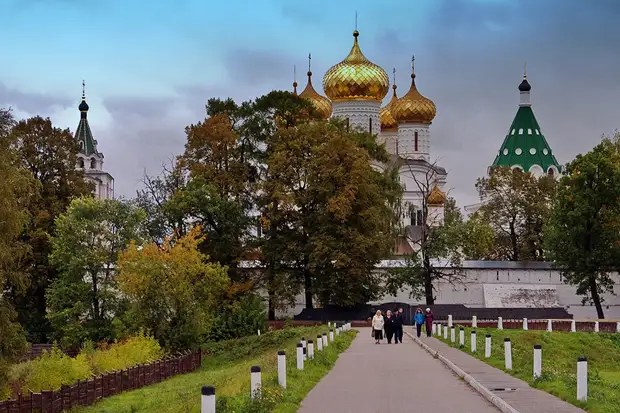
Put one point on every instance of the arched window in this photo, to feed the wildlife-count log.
(81, 163)
(551, 172)
(415, 134)
(370, 125)
(93, 163)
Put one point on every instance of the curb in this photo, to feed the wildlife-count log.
(498, 402)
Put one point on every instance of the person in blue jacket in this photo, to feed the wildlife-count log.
(418, 318)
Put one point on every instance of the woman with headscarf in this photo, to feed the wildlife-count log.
(428, 318)
(377, 326)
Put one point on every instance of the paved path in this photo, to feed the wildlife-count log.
(371, 378)
(523, 398)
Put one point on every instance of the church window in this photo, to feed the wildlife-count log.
(518, 151)
(415, 134)
(551, 172)
(537, 132)
(81, 163)
(521, 131)
(505, 151)
(529, 131)
(82, 145)
(513, 132)
(93, 163)
(545, 151)
(533, 151)
(419, 220)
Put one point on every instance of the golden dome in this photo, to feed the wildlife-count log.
(413, 107)
(436, 197)
(387, 120)
(320, 103)
(356, 78)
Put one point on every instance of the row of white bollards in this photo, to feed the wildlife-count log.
(305, 351)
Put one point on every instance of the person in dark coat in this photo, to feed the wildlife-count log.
(388, 326)
(399, 320)
(428, 319)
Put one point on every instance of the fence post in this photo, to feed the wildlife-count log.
(300, 357)
(319, 342)
(255, 382)
(434, 329)
(453, 334)
(207, 402)
(618, 327)
(282, 368)
(303, 345)
(310, 349)
(473, 341)
(582, 378)
(445, 332)
(462, 337)
(331, 335)
(537, 361)
(573, 326)
(508, 354)
(450, 320)
(474, 321)
(596, 326)
(325, 344)
(500, 323)
(525, 326)
(549, 325)
(487, 346)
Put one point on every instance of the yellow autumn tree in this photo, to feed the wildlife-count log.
(172, 289)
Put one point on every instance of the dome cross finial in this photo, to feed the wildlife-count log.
(309, 61)
(525, 69)
(83, 90)
(412, 66)
(294, 79)
(355, 20)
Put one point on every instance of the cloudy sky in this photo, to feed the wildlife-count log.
(150, 66)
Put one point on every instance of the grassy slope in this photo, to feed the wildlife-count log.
(560, 351)
(230, 374)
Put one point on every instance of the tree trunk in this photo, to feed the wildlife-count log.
(308, 287)
(428, 282)
(596, 297)
(271, 313)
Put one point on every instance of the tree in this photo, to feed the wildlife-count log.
(516, 206)
(16, 188)
(172, 290)
(89, 237)
(582, 236)
(49, 155)
(328, 211)
(479, 238)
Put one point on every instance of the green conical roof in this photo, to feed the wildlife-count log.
(525, 145)
(83, 134)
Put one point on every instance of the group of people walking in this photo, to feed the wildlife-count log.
(392, 324)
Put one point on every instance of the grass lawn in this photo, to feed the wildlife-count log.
(227, 367)
(560, 351)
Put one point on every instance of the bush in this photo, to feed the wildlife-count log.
(55, 369)
(135, 350)
(240, 318)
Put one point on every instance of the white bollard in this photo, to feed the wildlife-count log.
(207, 402)
(445, 332)
(450, 321)
(474, 321)
(255, 382)
(473, 341)
(537, 361)
(259, 332)
(329, 324)
(487, 346)
(500, 323)
(618, 327)
(303, 345)
(596, 327)
(300, 357)
(434, 328)
(319, 342)
(462, 337)
(549, 326)
(336, 330)
(310, 350)
(325, 343)
(439, 333)
(453, 334)
(573, 326)
(582, 378)
(282, 368)
(508, 354)
(525, 324)
(331, 335)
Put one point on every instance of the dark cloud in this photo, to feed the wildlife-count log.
(30, 102)
(257, 70)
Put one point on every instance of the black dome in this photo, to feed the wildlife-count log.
(525, 86)
(83, 106)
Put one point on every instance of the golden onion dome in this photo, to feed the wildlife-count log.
(387, 120)
(436, 197)
(356, 78)
(413, 107)
(322, 105)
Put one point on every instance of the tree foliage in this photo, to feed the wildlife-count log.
(172, 290)
(89, 237)
(516, 206)
(49, 155)
(583, 234)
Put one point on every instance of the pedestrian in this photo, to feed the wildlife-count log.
(428, 318)
(419, 321)
(399, 320)
(388, 326)
(377, 327)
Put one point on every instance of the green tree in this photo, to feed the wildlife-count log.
(516, 206)
(89, 237)
(172, 290)
(331, 211)
(479, 238)
(49, 155)
(16, 188)
(583, 234)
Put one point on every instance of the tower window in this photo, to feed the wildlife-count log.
(82, 145)
(415, 135)
(520, 131)
(93, 163)
(81, 163)
(550, 171)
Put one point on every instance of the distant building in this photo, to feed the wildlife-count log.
(89, 158)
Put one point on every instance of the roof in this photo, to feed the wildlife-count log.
(83, 134)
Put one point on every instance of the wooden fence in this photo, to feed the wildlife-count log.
(87, 392)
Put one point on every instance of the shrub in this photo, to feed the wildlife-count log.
(133, 351)
(53, 369)
(240, 318)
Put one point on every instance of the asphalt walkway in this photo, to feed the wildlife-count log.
(394, 378)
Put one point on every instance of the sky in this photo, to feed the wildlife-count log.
(150, 67)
